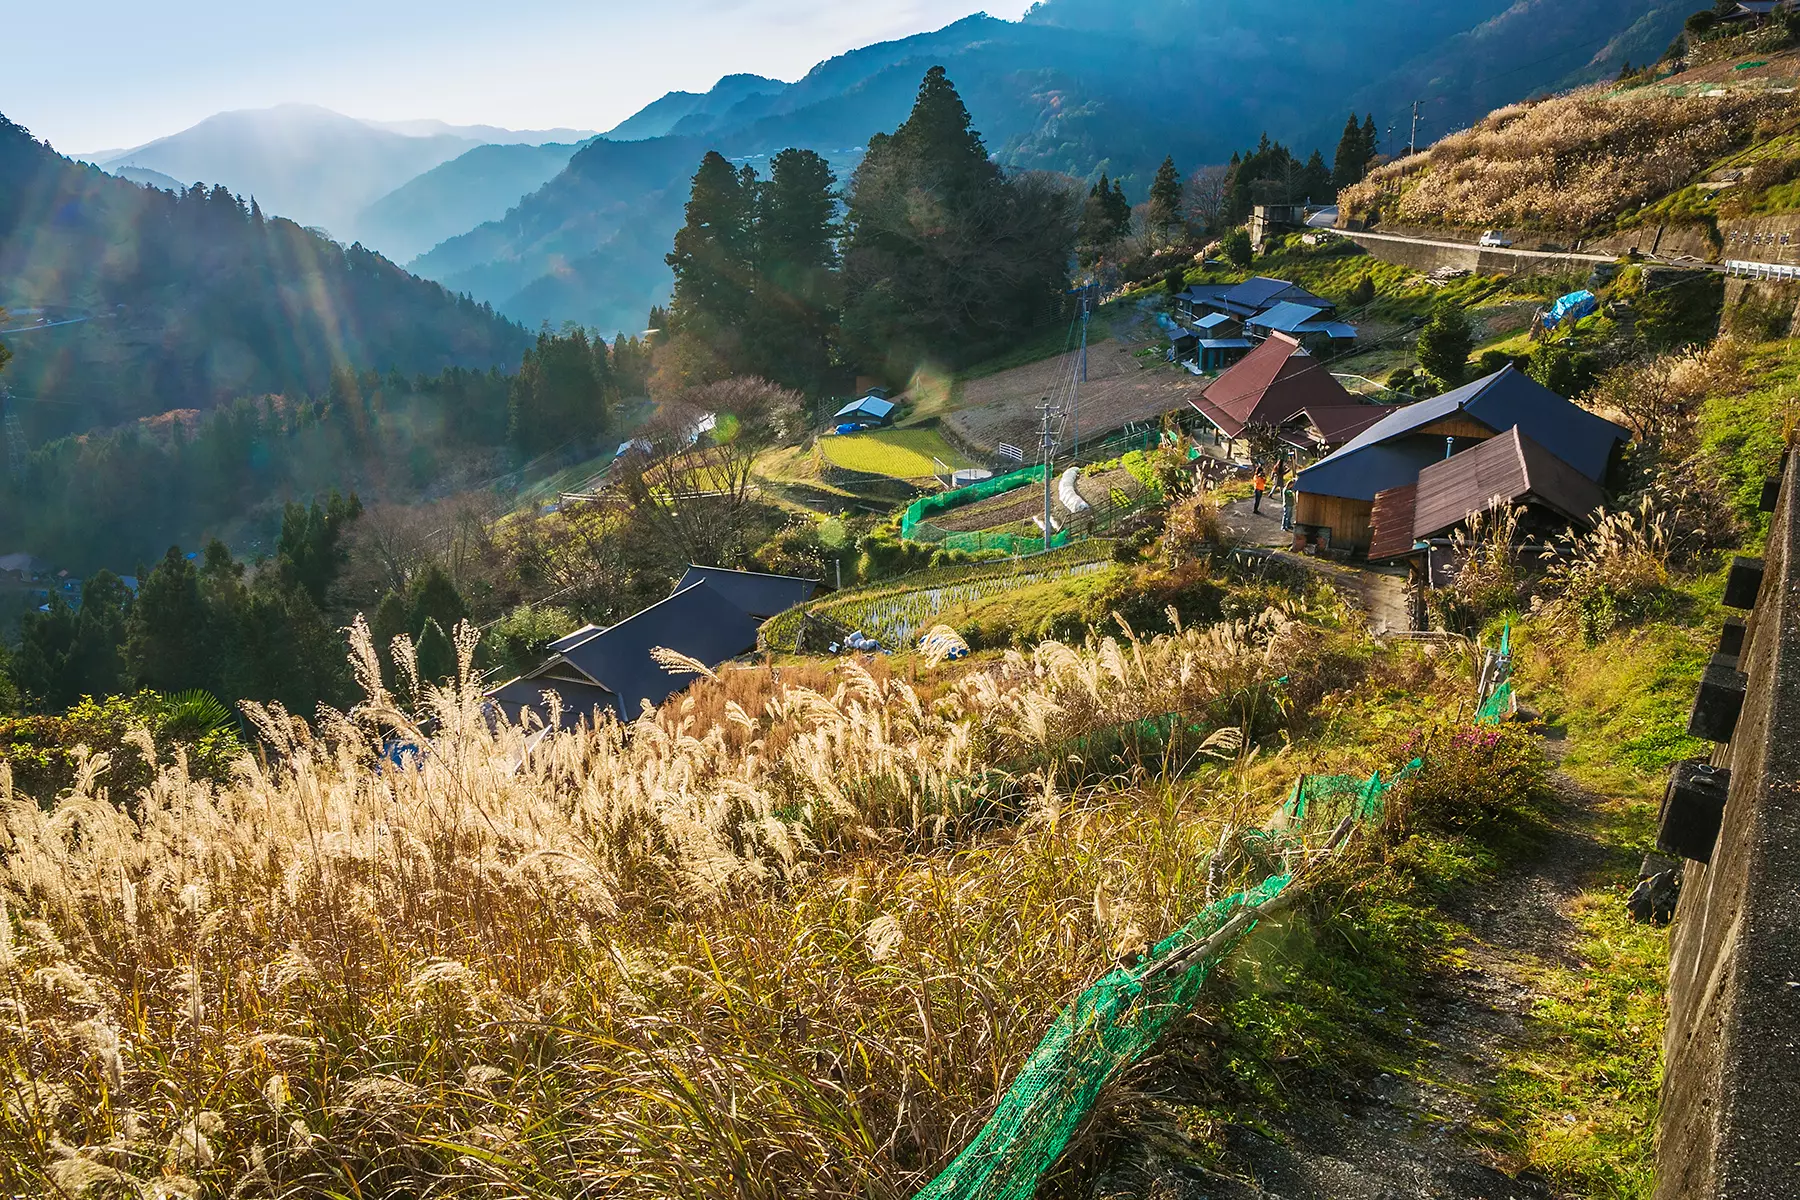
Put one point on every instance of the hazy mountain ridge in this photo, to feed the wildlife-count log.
(192, 300)
(454, 197)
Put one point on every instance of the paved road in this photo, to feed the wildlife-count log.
(1449, 245)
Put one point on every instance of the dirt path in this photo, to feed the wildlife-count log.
(1392, 1136)
(1382, 594)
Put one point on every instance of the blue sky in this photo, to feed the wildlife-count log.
(101, 74)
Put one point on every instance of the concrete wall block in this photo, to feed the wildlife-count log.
(1693, 808)
(1731, 639)
(1719, 701)
(1743, 582)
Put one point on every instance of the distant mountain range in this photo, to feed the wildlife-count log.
(1076, 86)
(324, 169)
(558, 225)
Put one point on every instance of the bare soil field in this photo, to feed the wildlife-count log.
(1121, 387)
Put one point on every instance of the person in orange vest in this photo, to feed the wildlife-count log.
(1259, 485)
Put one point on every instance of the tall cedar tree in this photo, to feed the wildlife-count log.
(1164, 214)
(946, 258)
(564, 392)
(714, 261)
(1371, 140)
(794, 320)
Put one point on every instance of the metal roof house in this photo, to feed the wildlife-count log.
(869, 408)
(1280, 384)
(1313, 326)
(1510, 470)
(712, 617)
(1260, 294)
(760, 595)
(1338, 492)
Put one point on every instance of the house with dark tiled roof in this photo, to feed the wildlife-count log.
(712, 617)
(1336, 495)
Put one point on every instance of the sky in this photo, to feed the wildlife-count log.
(111, 74)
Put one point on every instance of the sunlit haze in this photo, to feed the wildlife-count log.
(115, 73)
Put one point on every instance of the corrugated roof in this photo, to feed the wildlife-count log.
(1338, 423)
(1499, 401)
(1261, 292)
(1287, 316)
(760, 595)
(1274, 383)
(1227, 343)
(1508, 469)
(696, 621)
(1214, 320)
(1341, 330)
(872, 406)
(1391, 523)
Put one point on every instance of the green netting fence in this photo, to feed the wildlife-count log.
(1121, 1017)
(922, 508)
(1499, 704)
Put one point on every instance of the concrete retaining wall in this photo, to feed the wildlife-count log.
(1430, 255)
(1729, 1124)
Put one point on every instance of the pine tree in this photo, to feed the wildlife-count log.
(944, 255)
(564, 392)
(714, 254)
(1370, 140)
(1315, 180)
(1164, 213)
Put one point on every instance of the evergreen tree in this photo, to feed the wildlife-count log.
(310, 551)
(1445, 342)
(795, 314)
(435, 598)
(946, 257)
(436, 655)
(564, 392)
(1164, 213)
(1370, 140)
(714, 259)
(166, 647)
(1350, 162)
(1315, 181)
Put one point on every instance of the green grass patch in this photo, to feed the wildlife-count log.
(900, 453)
(1040, 344)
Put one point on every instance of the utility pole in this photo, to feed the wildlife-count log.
(1075, 392)
(1049, 461)
(1412, 142)
(15, 434)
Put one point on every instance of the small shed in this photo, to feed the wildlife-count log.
(1216, 354)
(872, 409)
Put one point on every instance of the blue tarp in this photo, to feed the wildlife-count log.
(1571, 307)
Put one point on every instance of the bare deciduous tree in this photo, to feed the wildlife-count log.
(1203, 197)
(692, 476)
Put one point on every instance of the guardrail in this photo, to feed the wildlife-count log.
(1761, 270)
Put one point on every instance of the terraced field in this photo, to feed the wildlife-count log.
(900, 453)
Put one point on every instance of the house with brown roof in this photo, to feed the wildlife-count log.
(1281, 385)
(1510, 471)
(1335, 497)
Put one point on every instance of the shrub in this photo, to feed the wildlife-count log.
(47, 753)
(1235, 243)
(1614, 575)
(1445, 342)
(1488, 581)
(1194, 525)
(1468, 778)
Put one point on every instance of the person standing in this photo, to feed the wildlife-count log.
(1259, 484)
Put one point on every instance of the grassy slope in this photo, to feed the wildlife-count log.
(901, 453)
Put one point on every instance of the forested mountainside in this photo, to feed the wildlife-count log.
(157, 301)
(1077, 87)
(454, 197)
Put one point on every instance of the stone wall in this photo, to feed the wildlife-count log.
(1729, 1123)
